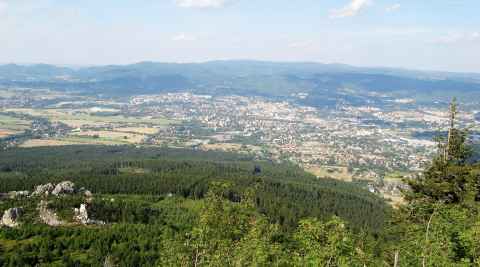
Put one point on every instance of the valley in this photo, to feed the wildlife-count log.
(198, 133)
(177, 176)
(366, 144)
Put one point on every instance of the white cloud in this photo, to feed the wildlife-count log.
(393, 7)
(201, 3)
(349, 10)
(183, 37)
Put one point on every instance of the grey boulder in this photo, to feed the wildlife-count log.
(10, 217)
(63, 188)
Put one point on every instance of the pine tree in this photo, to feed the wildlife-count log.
(439, 225)
(447, 180)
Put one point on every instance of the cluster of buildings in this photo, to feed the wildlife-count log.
(369, 140)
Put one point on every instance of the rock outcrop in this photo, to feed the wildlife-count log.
(81, 216)
(63, 188)
(47, 216)
(43, 190)
(10, 217)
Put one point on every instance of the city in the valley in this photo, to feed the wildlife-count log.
(376, 146)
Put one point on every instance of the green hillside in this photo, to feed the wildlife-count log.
(285, 192)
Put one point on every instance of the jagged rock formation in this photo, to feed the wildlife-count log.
(10, 217)
(81, 216)
(43, 190)
(65, 187)
(47, 216)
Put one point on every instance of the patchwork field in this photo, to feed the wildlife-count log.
(72, 140)
(80, 119)
(89, 126)
(120, 137)
(46, 142)
(334, 172)
(11, 125)
(138, 130)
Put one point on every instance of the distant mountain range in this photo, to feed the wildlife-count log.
(319, 84)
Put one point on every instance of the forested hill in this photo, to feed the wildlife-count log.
(271, 79)
(285, 193)
(172, 207)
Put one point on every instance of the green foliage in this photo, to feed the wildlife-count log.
(285, 193)
(323, 244)
(448, 179)
(224, 233)
(434, 235)
(187, 208)
(439, 226)
(444, 181)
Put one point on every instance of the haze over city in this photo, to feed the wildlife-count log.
(434, 35)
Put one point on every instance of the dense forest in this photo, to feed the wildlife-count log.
(284, 192)
(172, 207)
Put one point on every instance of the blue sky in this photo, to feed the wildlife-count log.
(419, 34)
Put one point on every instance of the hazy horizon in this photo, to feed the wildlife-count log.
(80, 66)
(439, 36)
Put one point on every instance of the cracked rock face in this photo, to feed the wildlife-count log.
(10, 217)
(43, 190)
(65, 187)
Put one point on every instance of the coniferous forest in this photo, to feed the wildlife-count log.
(240, 133)
(173, 207)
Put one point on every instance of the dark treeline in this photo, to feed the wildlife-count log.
(285, 193)
(170, 207)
